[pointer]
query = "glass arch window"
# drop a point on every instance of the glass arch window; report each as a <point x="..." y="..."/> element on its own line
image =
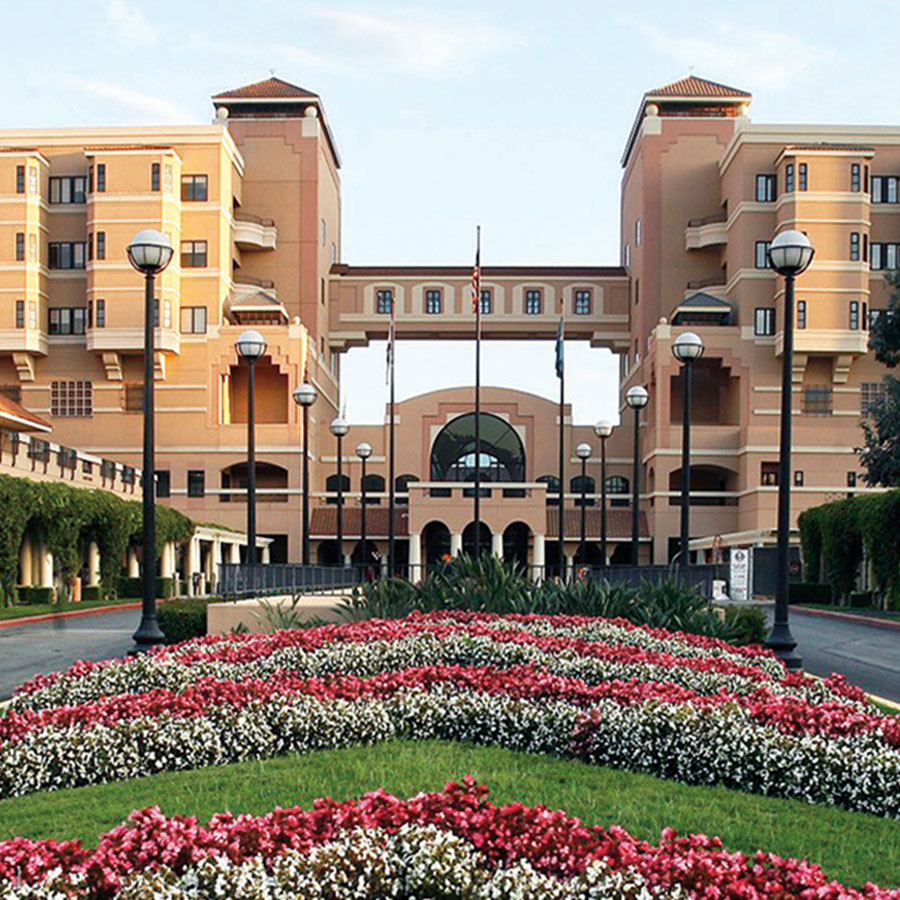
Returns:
<point x="453" y="451"/>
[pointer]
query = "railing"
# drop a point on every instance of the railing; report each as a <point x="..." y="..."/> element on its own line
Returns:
<point x="253" y="219"/>
<point x="242" y="278"/>
<point x="262" y="579"/>
<point x="711" y="219"/>
<point x="699" y="283"/>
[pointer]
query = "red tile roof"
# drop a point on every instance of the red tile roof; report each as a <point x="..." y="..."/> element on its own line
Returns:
<point x="16" y="417"/>
<point x="268" y="89"/>
<point x="618" y="523"/>
<point x="825" y="145"/>
<point x="692" y="86"/>
<point x="323" y="521"/>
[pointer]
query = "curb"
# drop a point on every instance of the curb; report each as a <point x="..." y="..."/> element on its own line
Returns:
<point x="68" y="614"/>
<point x="874" y="621"/>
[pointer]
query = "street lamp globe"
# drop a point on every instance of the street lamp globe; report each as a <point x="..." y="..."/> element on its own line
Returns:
<point x="687" y="347"/>
<point x="603" y="428"/>
<point x="251" y="345"/>
<point x="150" y="251"/>
<point x="790" y="252"/>
<point x="305" y="394"/>
<point x="339" y="427"/>
<point x="637" y="397"/>
<point x="364" y="450"/>
<point x="583" y="451"/>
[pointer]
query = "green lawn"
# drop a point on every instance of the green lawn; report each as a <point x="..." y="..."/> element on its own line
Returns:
<point x="41" y="609"/>
<point x="852" y="847"/>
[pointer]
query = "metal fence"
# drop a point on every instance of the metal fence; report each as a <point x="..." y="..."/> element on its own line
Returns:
<point x="242" y="580"/>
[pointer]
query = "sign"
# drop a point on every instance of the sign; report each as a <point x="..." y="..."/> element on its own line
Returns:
<point x="740" y="573"/>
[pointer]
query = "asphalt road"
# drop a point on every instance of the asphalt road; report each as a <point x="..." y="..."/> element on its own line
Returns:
<point x="868" y="655"/>
<point x="50" y="646"/>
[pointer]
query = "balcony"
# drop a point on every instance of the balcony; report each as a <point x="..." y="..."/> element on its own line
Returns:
<point x="254" y="233"/>
<point x="708" y="231"/>
<point x="827" y="341"/>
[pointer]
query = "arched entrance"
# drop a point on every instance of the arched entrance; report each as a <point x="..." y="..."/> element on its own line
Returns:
<point x="516" y="537"/>
<point x="436" y="538"/>
<point x="502" y="452"/>
<point x="592" y="557"/>
<point x="468" y="539"/>
<point x="327" y="554"/>
<point x="366" y="557"/>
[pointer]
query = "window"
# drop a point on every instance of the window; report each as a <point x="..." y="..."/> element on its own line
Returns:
<point x="854" y="246"/>
<point x="870" y="395"/>
<point x="194" y="188"/>
<point x="798" y="478"/>
<point x="803" y="176"/>
<point x="20" y="246"/>
<point x="789" y="178"/>
<point x="156" y="313"/>
<point x="762" y="255"/>
<point x="32" y="248"/>
<point x="101" y="176"/>
<point x="628" y="255"/>
<point x="854" y="315"/>
<point x="434" y="302"/>
<point x="801" y="314"/>
<point x="865" y="248"/>
<point x="765" y="188"/>
<point x="66" y="320"/>
<point x="90" y="314"/>
<point x="20" y="179"/>
<point x="167" y="314"/>
<point x="101" y="245"/>
<point x="193" y="320"/>
<point x="196" y="483"/>
<point x="71" y="398"/>
<point x="163" y="481"/>
<point x="154" y="184"/>
<point x="384" y="301"/>
<point x="855" y="177"/>
<point x="533" y="302"/>
<point x="68" y="189"/>
<point x="883" y="256"/>
<point x="193" y="254"/>
<point x="638" y="232"/>
<point x="32" y="315"/>
<point x="32" y="180"/>
<point x="851" y="479"/>
<point x="764" y="321"/>
<point x="583" y="302"/>
<point x="333" y="253"/>
<point x="90" y="246"/>
<point x="67" y="255"/>
<point x="487" y="301"/>
<point x="134" y="398"/>
<point x="618" y="485"/>
<point x="20" y="313"/>
<point x="101" y="314"/>
<point x="817" y="400"/>
<point x="768" y="474"/>
<point x="885" y="189"/>
<point x="637" y="291"/>
<point x="873" y="316"/>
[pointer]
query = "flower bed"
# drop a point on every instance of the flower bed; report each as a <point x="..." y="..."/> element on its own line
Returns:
<point x="679" y="706"/>
<point x="454" y="844"/>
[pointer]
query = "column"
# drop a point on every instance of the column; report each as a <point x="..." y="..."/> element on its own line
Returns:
<point x="46" y="564"/>
<point x="265" y="555"/>
<point x="134" y="570"/>
<point x="93" y="564"/>
<point x="455" y="544"/>
<point x="538" y="559"/>
<point x="570" y="562"/>
<point x="497" y="544"/>
<point x="234" y="553"/>
<point x="166" y="560"/>
<point x="26" y="561"/>
<point x="415" y="556"/>
<point x="191" y="564"/>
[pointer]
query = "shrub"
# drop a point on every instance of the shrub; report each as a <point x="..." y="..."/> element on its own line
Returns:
<point x="36" y="596"/>
<point x="862" y="600"/>
<point x="183" y="618"/>
<point x="809" y="592"/>
<point x="91" y="593"/>
<point x="746" y="624"/>
<point x="133" y="588"/>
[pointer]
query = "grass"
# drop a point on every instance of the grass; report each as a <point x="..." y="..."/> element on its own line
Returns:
<point x="40" y="609"/>
<point x="864" y="610"/>
<point x="852" y="847"/>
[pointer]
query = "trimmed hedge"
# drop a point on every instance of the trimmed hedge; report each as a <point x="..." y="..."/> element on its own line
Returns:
<point x="91" y="593"/>
<point x="133" y="588"/>
<point x="746" y="624"/>
<point x="809" y="592"/>
<point x="36" y="596"/>
<point x="183" y="618"/>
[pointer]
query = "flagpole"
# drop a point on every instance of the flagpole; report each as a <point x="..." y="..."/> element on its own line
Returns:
<point x="561" y="372"/>
<point x="393" y="351"/>
<point x="476" y="301"/>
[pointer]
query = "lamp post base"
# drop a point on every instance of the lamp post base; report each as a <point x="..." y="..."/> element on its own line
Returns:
<point x="146" y="637"/>
<point x="782" y="642"/>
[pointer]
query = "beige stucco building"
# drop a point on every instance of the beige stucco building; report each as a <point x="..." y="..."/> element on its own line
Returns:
<point x="252" y="205"/>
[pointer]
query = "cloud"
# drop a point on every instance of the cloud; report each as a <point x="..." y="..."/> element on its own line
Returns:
<point x="143" y="108"/>
<point x="129" y="23"/>
<point x="749" y="55"/>
<point x="414" y="40"/>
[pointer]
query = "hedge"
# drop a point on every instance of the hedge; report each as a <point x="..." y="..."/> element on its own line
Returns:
<point x="35" y="596"/>
<point x="835" y="535"/>
<point x="183" y="618"/>
<point x="132" y="588"/>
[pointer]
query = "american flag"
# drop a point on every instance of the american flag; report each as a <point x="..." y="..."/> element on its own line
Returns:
<point x="389" y="361"/>
<point x="476" y="277"/>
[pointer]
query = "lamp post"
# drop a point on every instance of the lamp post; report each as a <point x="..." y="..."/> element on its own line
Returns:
<point x="304" y="396"/>
<point x="583" y="452"/>
<point x="687" y="348"/>
<point x="790" y="253"/>
<point x="363" y="451"/>
<point x="149" y="252"/>
<point x="251" y="345"/>
<point x="637" y="398"/>
<point x="603" y="430"/>
<point x="339" y="428"/>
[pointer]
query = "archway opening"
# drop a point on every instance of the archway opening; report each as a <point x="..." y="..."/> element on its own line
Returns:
<point x="436" y="538"/>
<point x="502" y="456"/>
<point x="516" y="538"/>
<point x="468" y="539"/>
<point x="268" y="475"/>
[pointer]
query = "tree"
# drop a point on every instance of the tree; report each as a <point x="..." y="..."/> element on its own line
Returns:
<point x="880" y="456"/>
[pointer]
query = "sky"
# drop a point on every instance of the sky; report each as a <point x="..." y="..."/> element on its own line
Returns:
<point x="447" y="113"/>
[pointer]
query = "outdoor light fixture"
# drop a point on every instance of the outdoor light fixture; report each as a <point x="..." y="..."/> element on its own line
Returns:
<point x="339" y="428"/>
<point x="686" y="348"/>
<point x="790" y="253"/>
<point x="363" y="451"/>
<point x="583" y="452"/>
<point x="637" y="398"/>
<point x="603" y="430"/>
<point x="149" y="252"/>
<point x="304" y="396"/>
<point x="251" y="345"/>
